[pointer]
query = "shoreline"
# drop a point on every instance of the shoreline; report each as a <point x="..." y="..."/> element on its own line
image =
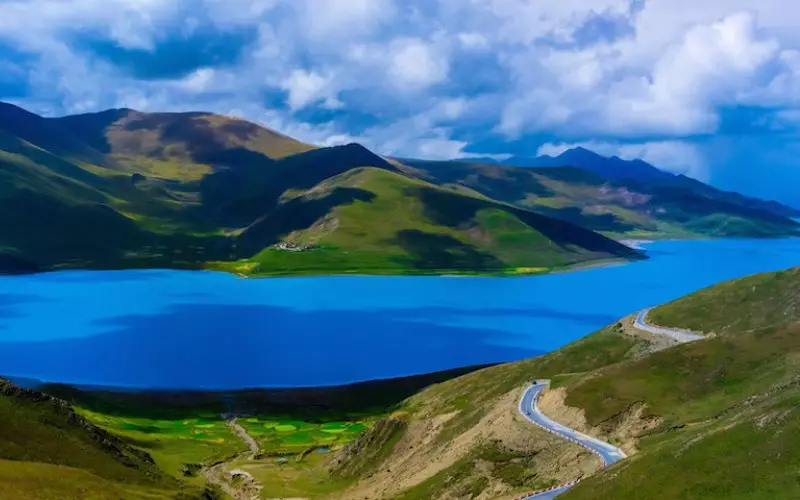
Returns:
<point x="509" y="272"/>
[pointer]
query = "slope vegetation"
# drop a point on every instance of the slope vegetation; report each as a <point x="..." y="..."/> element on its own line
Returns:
<point x="655" y="206"/>
<point x="720" y="413"/>
<point x="47" y="451"/>
<point x="192" y="190"/>
<point x="725" y="406"/>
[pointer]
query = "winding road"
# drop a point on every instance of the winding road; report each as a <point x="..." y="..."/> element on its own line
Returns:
<point x="609" y="454"/>
<point x="680" y="335"/>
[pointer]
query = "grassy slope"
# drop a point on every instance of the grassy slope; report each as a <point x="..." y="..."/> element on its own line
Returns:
<point x="395" y="223"/>
<point x="728" y="403"/>
<point x="48" y="451"/>
<point x="741" y="305"/>
<point x="727" y="406"/>
<point x="658" y="209"/>
<point x="178" y="139"/>
<point x="468" y="399"/>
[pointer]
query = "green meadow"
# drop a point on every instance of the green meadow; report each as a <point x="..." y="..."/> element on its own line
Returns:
<point x="291" y="437"/>
<point x="176" y="443"/>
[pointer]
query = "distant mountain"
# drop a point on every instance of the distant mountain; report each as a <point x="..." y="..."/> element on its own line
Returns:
<point x="638" y="173"/>
<point x="613" y="168"/>
<point x="674" y="206"/>
<point x="123" y="188"/>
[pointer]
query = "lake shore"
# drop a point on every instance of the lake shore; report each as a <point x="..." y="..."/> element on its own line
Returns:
<point x="186" y="329"/>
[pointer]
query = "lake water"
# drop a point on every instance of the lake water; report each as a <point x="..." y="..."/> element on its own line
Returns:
<point x="181" y="329"/>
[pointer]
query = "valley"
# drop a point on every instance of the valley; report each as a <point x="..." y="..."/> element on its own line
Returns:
<point x="721" y="407"/>
<point x="399" y="250"/>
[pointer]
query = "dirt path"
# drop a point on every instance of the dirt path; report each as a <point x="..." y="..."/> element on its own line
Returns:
<point x="236" y="483"/>
<point x="252" y="444"/>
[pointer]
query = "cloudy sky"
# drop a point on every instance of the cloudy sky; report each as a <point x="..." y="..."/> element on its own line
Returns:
<point x="710" y="88"/>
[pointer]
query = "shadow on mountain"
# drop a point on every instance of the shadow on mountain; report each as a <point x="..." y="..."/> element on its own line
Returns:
<point x="317" y="403"/>
<point x="92" y="127"/>
<point x="13" y="264"/>
<point x="502" y="183"/>
<point x="45" y="134"/>
<point x="595" y="222"/>
<point x="454" y="210"/>
<point x="251" y="184"/>
<point x="47" y="231"/>
<point x="438" y="251"/>
<point x="299" y="213"/>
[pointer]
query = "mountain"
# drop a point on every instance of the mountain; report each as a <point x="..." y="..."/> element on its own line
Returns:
<point x="122" y="188"/>
<point x="193" y="190"/>
<point x="676" y="206"/>
<point x="640" y="174"/>
<point x="613" y="168"/>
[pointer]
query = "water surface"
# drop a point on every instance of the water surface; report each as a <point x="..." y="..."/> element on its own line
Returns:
<point x="182" y="329"/>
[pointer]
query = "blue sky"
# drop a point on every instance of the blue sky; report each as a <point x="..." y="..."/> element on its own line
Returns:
<point x="709" y="88"/>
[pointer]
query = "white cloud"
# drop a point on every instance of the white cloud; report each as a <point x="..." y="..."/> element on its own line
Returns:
<point x="305" y="88"/>
<point x="416" y="64"/>
<point x="331" y="21"/>
<point x="199" y="80"/>
<point x="421" y="70"/>
<point x="473" y="41"/>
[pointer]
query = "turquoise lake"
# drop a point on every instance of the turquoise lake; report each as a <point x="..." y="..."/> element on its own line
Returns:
<point x="183" y="329"/>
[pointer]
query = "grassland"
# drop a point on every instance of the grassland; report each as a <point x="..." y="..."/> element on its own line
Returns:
<point x="278" y="437"/>
<point x="727" y="405"/>
<point x="177" y="444"/>
<point x="741" y="305"/>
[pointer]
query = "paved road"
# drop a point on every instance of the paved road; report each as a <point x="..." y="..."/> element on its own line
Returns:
<point x="679" y="335"/>
<point x="550" y="495"/>
<point x="607" y="453"/>
<point x="530" y="409"/>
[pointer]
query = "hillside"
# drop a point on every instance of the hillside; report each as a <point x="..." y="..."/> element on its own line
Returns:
<point x="656" y="206"/>
<point x="125" y="189"/>
<point x="640" y="173"/>
<point x="47" y="451"/>
<point x="719" y="413"/>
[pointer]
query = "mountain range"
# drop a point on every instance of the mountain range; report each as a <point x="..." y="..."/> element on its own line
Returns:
<point x="122" y="188"/>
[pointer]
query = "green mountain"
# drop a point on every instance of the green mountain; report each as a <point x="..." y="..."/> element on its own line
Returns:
<point x="191" y="190"/>
<point x="661" y="206"/>
<point x="121" y="189"/>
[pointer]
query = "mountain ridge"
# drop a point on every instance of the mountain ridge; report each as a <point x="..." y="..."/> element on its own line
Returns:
<point x="197" y="190"/>
<point x="193" y="190"/>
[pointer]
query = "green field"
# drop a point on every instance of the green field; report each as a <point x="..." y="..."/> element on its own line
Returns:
<point x="174" y="444"/>
<point x="292" y="437"/>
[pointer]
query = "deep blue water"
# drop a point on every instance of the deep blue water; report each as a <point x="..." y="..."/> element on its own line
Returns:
<point x="182" y="329"/>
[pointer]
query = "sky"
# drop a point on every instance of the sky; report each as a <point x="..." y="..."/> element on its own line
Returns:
<point x="707" y="88"/>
